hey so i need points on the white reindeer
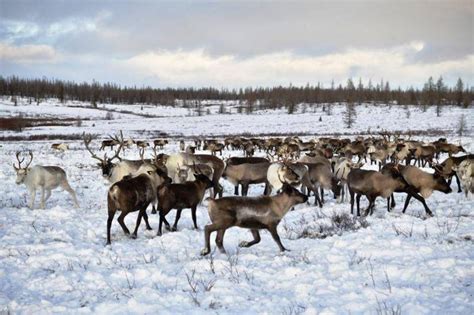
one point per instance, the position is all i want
(60, 147)
(44, 177)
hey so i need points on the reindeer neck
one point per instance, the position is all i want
(283, 204)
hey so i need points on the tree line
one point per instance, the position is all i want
(432, 93)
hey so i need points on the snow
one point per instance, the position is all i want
(55, 260)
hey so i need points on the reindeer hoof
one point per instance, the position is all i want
(153, 211)
(205, 251)
(244, 244)
(134, 236)
(168, 228)
(174, 229)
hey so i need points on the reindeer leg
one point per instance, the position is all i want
(139, 220)
(358, 204)
(407, 201)
(236, 190)
(145, 217)
(392, 205)
(193, 214)
(32, 198)
(208, 229)
(109, 223)
(122, 224)
(351, 192)
(65, 185)
(458, 182)
(256, 239)
(322, 193)
(162, 219)
(48, 194)
(178, 216)
(42, 197)
(273, 231)
(423, 201)
(220, 240)
(245, 189)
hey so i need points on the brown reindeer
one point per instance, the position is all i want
(246, 174)
(133, 194)
(254, 213)
(180, 196)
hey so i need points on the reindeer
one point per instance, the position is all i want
(45, 177)
(249, 150)
(341, 170)
(447, 168)
(179, 196)
(186, 172)
(245, 174)
(111, 143)
(371, 184)
(182, 145)
(253, 213)
(213, 147)
(190, 149)
(159, 143)
(465, 171)
(60, 147)
(109, 169)
(131, 194)
(216, 163)
(142, 144)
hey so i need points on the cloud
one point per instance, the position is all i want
(28, 53)
(198, 67)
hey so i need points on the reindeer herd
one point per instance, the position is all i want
(180, 180)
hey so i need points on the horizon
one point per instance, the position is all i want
(238, 44)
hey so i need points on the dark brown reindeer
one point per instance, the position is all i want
(133, 194)
(181, 196)
(160, 143)
(142, 144)
(254, 213)
(111, 143)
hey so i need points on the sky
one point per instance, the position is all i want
(235, 44)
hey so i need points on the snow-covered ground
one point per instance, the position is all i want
(56, 261)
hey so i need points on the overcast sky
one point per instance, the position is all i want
(238, 43)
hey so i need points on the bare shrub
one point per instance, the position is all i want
(109, 116)
(339, 223)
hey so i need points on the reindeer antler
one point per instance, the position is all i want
(19, 162)
(121, 143)
(17, 154)
(31, 159)
(87, 140)
(141, 152)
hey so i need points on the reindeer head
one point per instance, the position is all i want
(286, 174)
(21, 172)
(106, 163)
